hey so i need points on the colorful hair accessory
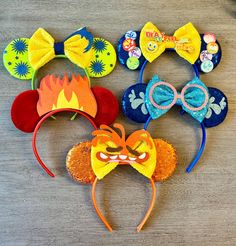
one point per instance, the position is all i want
(142, 103)
(24, 56)
(56, 94)
(89, 162)
(30, 107)
(186, 42)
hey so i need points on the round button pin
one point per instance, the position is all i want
(209, 37)
(204, 56)
(212, 48)
(207, 66)
(129, 44)
(132, 63)
(131, 34)
(135, 53)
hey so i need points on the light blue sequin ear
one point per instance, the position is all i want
(15, 59)
(218, 108)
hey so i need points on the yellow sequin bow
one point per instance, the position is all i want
(186, 41)
(77, 48)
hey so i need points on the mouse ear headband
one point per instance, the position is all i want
(89, 162)
(57, 94)
(138, 47)
(142, 102)
(24, 56)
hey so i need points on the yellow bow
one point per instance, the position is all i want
(110, 150)
(186, 41)
(77, 48)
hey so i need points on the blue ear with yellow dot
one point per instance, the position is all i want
(15, 59)
(103, 59)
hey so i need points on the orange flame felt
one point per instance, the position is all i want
(56, 93)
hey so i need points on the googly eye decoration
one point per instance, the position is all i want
(103, 60)
(129, 52)
(210, 54)
(15, 59)
(218, 108)
(133, 103)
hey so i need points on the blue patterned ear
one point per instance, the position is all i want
(218, 108)
(210, 54)
(129, 52)
(133, 103)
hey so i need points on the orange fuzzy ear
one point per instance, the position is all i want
(78, 163)
(166, 160)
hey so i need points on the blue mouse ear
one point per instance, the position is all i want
(129, 52)
(210, 53)
(218, 108)
(133, 103)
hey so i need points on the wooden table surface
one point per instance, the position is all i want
(191, 209)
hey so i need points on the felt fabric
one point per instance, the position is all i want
(15, 59)
(107, 106)
(24, 113)
(109, 149)
(57, 93)
(186, 42)
(164, 96)
(210, 54)
(129, 53)
(78, 163)
(77, 48)
(218, 108)
(133, 103)
(103, 59)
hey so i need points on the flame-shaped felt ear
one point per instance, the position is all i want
(15, 59)
(210, 53)
(24, 113)
(107, 106)
(129, 52)
(133, 103)
(218, 108)
(166, 160)
(78, 163)
(103, 59)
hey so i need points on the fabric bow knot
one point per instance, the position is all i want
(161, 96)
(77, 48)
(186, 41)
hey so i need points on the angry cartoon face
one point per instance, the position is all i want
(109, 150)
